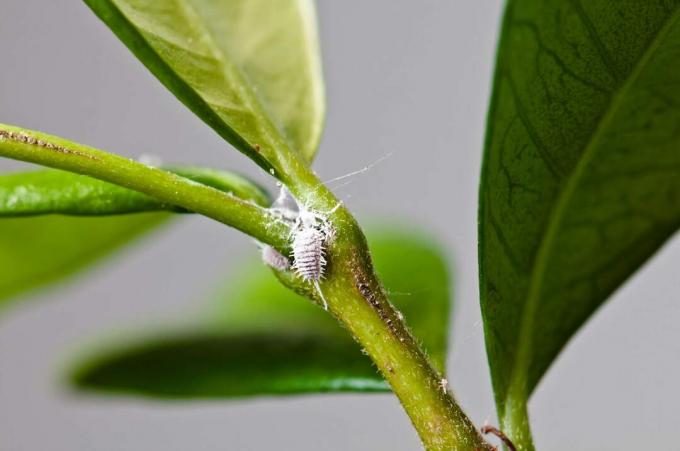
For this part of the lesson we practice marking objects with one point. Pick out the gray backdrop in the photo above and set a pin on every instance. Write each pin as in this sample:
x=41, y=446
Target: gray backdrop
x=407, y=77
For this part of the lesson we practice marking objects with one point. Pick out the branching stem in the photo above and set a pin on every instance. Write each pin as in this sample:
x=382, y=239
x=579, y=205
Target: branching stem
x=51, y=151
x=357, y=299
x=351, y=288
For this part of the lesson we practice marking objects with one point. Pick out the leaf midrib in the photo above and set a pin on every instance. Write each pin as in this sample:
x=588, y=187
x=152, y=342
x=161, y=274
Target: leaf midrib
x=254, y=102
x=307, y=10
x=517, y=387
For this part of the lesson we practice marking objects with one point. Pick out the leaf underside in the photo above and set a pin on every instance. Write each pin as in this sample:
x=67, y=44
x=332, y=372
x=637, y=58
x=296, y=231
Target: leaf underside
x=38, y=251
x=263, y=339
x=250, y=69
x=52, y=191
x=581, y=176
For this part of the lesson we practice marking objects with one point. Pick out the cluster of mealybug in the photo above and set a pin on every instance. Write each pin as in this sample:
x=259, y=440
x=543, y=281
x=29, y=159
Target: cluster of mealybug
x=311, y=233
x=310, y=237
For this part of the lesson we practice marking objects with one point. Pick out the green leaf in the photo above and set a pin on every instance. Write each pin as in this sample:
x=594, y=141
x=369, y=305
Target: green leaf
x=264, y=339
x=581, y=177
x=37, y=251
x=55, y=191
x=249, y=68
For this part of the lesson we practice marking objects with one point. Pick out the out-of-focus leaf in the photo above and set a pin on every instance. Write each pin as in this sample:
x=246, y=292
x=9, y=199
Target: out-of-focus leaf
x=249, y=68
x=264, y=339
x=54, y=191
x=211, y=365
x=37, y=251
x=581, y=177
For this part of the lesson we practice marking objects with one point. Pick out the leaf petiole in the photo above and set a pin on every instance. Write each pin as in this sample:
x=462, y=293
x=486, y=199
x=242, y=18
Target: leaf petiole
x=246, y=216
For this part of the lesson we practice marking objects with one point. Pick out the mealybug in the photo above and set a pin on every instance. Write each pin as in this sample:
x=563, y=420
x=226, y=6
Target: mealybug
x=273, y=258
x=309, y=253
x=311, y=235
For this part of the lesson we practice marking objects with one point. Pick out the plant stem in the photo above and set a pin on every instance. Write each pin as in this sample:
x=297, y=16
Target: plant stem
x=515, y=422
x=354, y=294
x=46, y=150
x=357, y=299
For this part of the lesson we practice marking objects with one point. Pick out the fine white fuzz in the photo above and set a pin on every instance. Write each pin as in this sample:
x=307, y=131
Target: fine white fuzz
x=444, y=385
x=311, y=234
x=285, y=206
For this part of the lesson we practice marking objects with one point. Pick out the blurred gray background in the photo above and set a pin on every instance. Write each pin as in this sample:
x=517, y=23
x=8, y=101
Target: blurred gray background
x=410, y=78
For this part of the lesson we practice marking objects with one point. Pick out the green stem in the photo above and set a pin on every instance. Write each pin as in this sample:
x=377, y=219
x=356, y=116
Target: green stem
x=515, y=423
x=357, y=299
x=46, y=150
x=351, y=287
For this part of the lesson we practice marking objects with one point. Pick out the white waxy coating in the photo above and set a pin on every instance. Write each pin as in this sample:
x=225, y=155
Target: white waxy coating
x=274, y=258
x=309, y=253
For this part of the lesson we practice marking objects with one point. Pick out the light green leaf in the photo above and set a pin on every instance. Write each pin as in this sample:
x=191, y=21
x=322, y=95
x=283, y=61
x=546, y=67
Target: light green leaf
x=581, y=177
x=264, y=339
x=37, y=251
x=249, y=68
x=54, y=191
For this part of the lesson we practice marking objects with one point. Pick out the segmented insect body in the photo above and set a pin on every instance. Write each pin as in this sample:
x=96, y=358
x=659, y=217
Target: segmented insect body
x=309, y=253
x=311, y=235
x=273, y=258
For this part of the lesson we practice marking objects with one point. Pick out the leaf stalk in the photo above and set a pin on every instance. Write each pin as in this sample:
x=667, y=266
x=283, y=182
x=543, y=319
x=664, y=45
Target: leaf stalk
x=51, y=151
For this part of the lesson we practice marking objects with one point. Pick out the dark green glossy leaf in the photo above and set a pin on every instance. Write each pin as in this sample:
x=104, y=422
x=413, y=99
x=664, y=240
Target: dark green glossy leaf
x=581, y=177
x=210, y=365
x=55, y=191
x=264, y=339
x=249, y=68
x=41, y=250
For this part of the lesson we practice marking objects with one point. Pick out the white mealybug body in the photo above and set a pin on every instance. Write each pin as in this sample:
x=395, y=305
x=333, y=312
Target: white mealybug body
x=310, y=237
x=274, y=259
x=311, y=234
x=309, y=253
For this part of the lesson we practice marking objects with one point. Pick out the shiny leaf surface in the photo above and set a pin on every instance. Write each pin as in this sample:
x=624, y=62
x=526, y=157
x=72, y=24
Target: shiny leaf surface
x=249, y=68
x=581, y=176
